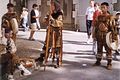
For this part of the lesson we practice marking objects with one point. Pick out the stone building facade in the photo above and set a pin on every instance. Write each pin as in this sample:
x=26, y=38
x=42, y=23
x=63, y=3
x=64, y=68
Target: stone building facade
x=3, y=9
x=80, y=10
x=44, y=8
x=74, y=10
x=116, y=5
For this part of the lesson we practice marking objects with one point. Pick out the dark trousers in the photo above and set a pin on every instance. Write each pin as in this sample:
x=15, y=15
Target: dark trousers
x=101, y=42
x=88, y=26
x=9, y=62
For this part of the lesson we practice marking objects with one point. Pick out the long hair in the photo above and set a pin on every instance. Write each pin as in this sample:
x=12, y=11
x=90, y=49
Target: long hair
x=57, y=9
x=57, y=5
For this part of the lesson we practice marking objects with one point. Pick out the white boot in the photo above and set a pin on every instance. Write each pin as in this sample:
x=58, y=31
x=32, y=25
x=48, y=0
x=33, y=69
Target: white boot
x=25, y=71
x=10, y=77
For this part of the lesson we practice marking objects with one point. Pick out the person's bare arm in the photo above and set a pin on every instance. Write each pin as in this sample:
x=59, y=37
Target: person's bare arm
x=35, y=17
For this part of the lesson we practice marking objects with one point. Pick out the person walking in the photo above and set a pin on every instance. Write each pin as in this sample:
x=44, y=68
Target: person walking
x=24, y=19
x=89, y=18
x=34, y=15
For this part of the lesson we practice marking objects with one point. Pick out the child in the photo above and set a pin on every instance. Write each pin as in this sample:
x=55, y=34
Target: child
x=105, y=24
x=89, y=18
x=10, y=60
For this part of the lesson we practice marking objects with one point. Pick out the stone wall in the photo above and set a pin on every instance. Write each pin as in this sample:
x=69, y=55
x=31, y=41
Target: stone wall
x=3, y=10
x=117, y=6
x=81, y=6
x=78, y=6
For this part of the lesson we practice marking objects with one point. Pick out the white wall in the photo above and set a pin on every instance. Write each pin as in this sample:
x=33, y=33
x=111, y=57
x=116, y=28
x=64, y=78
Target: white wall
x=3, y=10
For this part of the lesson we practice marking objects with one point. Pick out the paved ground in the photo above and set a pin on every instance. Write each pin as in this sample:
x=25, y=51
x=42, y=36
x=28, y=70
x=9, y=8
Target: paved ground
x=77, y=59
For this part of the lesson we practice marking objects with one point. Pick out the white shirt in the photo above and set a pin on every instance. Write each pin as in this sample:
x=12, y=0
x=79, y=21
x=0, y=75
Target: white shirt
x=37, y=19
x=24, y=14
x=89, y=12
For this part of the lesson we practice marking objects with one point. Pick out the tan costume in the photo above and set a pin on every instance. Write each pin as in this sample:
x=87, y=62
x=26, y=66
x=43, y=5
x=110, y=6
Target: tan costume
x=9, y=21
x=103, y=25
x=53, y=39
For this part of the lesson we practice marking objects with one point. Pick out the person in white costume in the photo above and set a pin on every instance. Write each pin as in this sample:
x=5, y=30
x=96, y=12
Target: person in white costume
x=24, y=19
